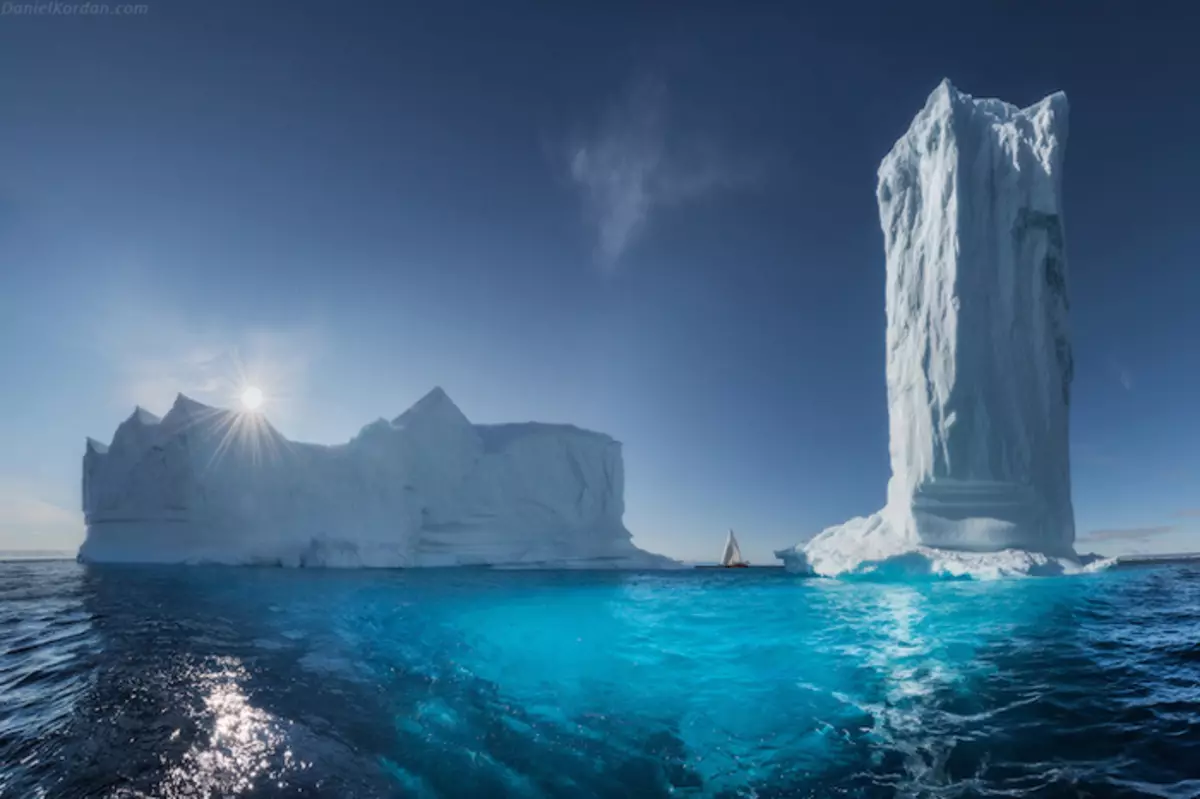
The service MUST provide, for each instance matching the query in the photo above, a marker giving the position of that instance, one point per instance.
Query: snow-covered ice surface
(429, 488)
(979, 361)
(870, 547)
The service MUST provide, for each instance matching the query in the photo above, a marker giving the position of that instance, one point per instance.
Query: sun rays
(223, 407)
(246, 433)
(252, 398)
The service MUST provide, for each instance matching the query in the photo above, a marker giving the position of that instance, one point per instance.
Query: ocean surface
(196, 682)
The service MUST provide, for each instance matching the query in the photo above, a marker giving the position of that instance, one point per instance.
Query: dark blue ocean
(197, 682)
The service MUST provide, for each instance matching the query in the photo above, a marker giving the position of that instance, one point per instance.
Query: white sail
(733, 553)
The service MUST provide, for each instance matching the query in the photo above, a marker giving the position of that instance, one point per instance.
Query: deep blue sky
(358, 202)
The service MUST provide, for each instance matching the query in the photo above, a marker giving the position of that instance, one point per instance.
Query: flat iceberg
(979, 361)
(428, 488)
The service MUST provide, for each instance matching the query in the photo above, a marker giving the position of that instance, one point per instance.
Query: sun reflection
(246, 745)
(909, 658)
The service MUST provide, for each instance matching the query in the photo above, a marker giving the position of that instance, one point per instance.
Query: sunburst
(252, 398)
(240, 429)
(246, 431)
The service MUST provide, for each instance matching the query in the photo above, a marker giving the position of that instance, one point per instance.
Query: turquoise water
(173, 682)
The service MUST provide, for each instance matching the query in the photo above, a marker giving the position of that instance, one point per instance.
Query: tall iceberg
(979, 362)
(428, 488)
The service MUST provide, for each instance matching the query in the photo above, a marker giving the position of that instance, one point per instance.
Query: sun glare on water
(252, 398)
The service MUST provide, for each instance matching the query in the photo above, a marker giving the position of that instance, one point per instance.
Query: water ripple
(144, 682)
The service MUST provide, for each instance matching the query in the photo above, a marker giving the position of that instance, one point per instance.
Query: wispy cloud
(1128, 533)
(1122, 373)
(634, 163)
(1188, 513)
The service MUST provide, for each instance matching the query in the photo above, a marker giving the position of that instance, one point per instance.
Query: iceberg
(979, 361)
(428, 488)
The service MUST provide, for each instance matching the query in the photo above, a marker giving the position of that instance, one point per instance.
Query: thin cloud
(634, 164)
(1128, 533)
(1188, 513)
(1122, 373)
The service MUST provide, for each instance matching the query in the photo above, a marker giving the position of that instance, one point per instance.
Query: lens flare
(252, 398)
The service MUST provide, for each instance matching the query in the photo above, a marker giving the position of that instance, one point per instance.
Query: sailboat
(731, 558)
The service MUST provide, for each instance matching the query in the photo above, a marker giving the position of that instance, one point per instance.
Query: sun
(252, 398)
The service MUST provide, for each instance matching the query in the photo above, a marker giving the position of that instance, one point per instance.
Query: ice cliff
(979, 362)
(428, 488)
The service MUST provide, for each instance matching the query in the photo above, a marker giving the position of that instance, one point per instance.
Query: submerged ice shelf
(979, 361)
(428, 488)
